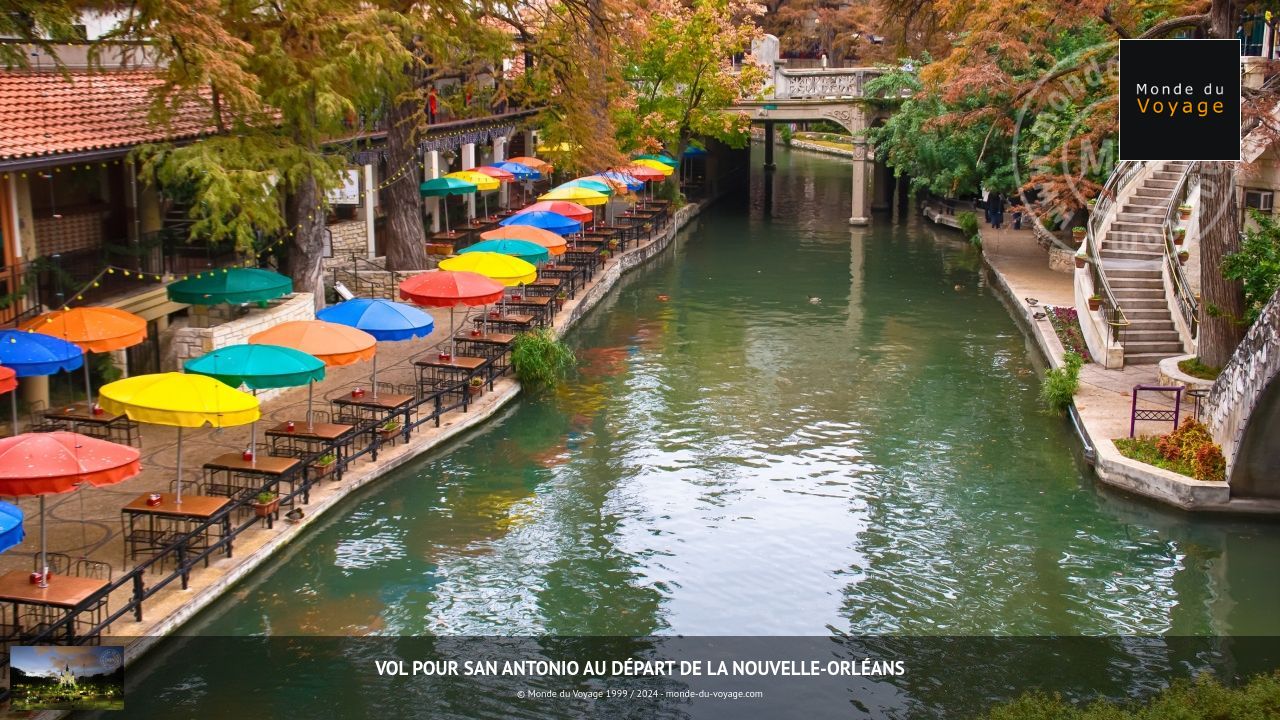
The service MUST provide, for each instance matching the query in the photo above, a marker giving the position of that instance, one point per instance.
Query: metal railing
(1124, 174)
(1188, 306)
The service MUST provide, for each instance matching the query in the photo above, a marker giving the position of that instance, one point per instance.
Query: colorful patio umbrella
(552, 222)
(383, 319)
(664, 159)
(661, 167)
(330, 342)
(94, 329)
(632, 182)
(586, 183)
(642, 172)
(541, 166)
(483, 184)
(440, 288)
(9, 384)
(580, 195)
(181, 400)
(694, 151)
(11, 530)
(571, 210)
(504, 269)
(257, 367)
(523, 249)
(617, 187)
(31, 354)
(58, 462)
(230, 285)
(519, 170)
(443, 187)
(496, 173)
(554, 244)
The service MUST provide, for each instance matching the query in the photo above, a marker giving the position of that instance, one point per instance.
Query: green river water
(734, 459)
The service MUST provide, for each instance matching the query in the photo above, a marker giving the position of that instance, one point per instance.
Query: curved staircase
(1132, 250)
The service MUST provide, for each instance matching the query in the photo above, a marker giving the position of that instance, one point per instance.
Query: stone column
(370, 200)
(431, 171)
(861, 175)
(500, 154)
(769, 165)
(468, 162)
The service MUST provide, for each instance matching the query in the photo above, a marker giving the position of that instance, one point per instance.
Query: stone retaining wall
(1236, 392)
(349, 238)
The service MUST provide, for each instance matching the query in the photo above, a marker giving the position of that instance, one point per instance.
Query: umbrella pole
(374, 380)
(88, 389)
(486, 204)
(253, 439)
(311, 387)
(453, 341)
(444, 202)
(44, 560)
(179, 500)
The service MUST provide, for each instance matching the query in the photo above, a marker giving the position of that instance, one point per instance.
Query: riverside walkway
(88, 524)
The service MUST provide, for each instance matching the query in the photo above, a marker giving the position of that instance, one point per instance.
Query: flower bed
(1189, 450)
(1066, 323)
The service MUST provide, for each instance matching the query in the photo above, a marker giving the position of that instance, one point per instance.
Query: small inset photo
(53, 677)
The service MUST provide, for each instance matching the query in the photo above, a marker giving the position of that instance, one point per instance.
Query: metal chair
(95, 612)
(59, 563)
(189, 487)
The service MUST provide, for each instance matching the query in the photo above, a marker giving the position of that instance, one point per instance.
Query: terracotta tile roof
(48, 113)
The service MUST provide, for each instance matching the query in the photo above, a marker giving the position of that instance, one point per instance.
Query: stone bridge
(834, 94)
(1243, 409)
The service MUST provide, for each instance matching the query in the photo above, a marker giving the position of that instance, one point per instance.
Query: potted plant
(388, 429)
(1184, 211)
(265, 504)
(562, 296)
(604, 254)
(324, 464)
(1081, 259)
(476, 386)
(613, 244)
(1182, 256)
(1179, 235)
(1095, 302)
(1077, 233)
(1092, 203)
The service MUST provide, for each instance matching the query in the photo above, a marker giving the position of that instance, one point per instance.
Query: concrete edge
(354, 481)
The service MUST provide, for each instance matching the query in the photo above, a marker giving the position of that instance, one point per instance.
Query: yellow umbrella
(480, 180)
(580, 195)
(663, 168)
(509, 271)
(179, 399)
(617, 187)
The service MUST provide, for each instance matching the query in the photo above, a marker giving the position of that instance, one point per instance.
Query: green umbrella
(443, 186)
(258, 367)
(665, 160)
(230, 285)
(531, 253)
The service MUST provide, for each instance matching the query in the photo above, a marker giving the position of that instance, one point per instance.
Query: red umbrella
(496, 173)
(9, 383)
(444, 288)
(571, 210)
(58, 462)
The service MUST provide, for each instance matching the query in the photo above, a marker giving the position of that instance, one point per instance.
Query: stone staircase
(1132, 252)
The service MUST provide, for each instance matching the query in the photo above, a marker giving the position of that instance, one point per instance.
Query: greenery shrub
(540, 359)
(1257, 264)
(1202, 699)
(1060, 384)
(1197, 369)
(785, 131)
(1188, 450)
(968, 223)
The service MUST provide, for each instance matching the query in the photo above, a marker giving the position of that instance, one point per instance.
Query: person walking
(986, 204)
(996, 203)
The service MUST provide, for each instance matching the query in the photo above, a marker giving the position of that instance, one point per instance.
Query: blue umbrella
(383, 319)
(631, 182)
(11, 531)
(532, 253)
(31, 354)
(554, 222)
(693, 151)
(522, 172)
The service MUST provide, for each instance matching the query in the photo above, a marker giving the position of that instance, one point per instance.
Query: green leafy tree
(1257, 264)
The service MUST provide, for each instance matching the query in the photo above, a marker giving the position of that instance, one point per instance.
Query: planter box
(439, 249)
(266, 509)
(1095, 304)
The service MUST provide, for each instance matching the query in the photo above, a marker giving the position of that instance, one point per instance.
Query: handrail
(1187, 303)
(1124, 173)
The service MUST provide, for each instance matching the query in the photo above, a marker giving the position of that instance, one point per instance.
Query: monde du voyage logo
(1179, 100)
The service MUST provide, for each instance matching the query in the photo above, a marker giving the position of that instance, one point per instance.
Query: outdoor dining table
(63, 591)
(309, 440)
(494, 346)
(544, 286)
(79, 417)
(511, 322)
(585, 258)
(169, 520)
(245, 478)
(543, 307)
(627, 231)
(452, 375)
(565, 272)
(379, 410)
(456, 238)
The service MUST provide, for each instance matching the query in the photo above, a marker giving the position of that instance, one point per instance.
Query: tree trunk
(1221, 300)
(1224, 18)
(306, 247)
(405, 240)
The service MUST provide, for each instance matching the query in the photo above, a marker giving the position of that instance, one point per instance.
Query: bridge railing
(821, 83)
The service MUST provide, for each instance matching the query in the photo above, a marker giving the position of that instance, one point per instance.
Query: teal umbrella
(230, 285)
(589, 185)
(445, 186)
(665, 160)
(532, 253)
(259, 367)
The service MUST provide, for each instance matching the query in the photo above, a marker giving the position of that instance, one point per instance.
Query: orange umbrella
(554, 244)
(333, 343)
(540, 165)
(58, 462)
(94, 329)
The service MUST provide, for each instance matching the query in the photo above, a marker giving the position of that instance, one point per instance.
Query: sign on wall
(348, 193)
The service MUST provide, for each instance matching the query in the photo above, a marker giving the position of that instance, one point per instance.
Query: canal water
(782, 427)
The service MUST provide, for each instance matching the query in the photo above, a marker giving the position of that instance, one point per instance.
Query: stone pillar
(769, 165)
(500, 154)
(468, 162)
(370, 201)
(35, 390)
(431, 171)
(860, 214)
